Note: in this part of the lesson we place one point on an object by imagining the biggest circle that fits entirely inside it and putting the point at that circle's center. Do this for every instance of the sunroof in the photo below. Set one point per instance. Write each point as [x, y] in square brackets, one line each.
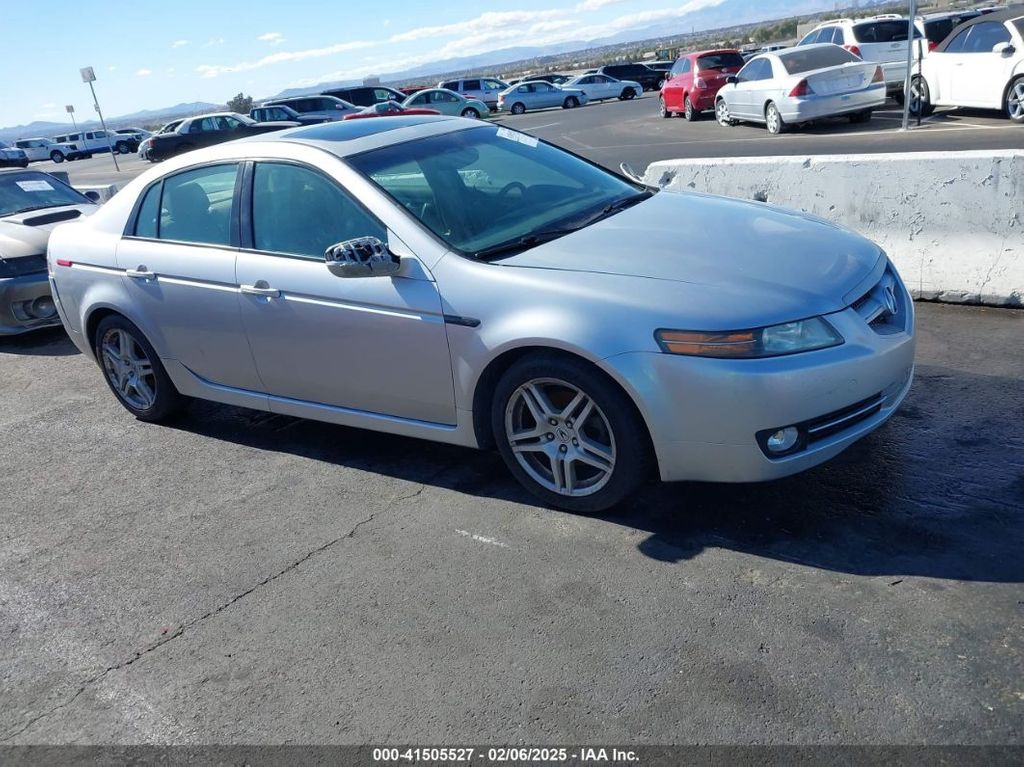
[346, 130]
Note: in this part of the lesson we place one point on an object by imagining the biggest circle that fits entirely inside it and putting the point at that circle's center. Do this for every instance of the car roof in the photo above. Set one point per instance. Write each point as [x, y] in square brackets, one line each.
[345, 138]
[1010, 14]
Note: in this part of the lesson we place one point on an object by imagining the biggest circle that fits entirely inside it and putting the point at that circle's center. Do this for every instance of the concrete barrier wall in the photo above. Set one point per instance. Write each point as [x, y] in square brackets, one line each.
[952, 222]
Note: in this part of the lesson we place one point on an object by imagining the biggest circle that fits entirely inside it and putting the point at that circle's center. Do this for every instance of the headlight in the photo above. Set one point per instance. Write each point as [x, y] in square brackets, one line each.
[774, 341]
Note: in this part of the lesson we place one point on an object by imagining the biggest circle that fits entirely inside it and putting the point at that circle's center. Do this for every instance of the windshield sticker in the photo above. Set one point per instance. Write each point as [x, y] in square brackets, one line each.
[37, 185]
[516, 136]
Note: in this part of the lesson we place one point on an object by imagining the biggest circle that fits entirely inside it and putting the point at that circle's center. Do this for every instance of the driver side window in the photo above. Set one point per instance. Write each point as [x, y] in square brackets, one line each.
[297, 211]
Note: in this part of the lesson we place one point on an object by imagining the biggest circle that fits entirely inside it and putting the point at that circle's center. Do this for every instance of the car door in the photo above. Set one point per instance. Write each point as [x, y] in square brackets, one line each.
[602, 86]
[545, 95]
[742, 97]
[179, 260]
[491, 89]
[679, 82]
[446, 103]
[373, 344]
[979, 74]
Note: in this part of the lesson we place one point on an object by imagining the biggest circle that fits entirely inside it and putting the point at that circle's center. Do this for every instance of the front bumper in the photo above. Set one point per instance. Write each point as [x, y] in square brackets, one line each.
[704, 415]
[15, 292]
[798, 110]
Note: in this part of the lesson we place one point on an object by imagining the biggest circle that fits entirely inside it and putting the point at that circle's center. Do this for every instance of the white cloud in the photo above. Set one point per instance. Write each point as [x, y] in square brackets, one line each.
[594, 5]
[213, 41]
[274, 38]
[179, 43]
[170, 70]
[489, 22]
[48, 106]
[111, 69]
[144, 73]
[213, 70]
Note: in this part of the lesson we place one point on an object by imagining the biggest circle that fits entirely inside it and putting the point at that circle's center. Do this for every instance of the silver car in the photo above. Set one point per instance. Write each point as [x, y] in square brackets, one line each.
[538, 94]
[466, 283]
[801, 84]
[31, 205]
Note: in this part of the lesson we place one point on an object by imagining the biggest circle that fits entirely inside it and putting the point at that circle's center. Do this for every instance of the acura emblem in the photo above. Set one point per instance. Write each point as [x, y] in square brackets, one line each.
[890, 298]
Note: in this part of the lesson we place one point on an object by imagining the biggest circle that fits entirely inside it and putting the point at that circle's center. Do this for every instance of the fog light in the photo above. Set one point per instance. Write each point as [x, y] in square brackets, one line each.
[783, 440]
[43, 308]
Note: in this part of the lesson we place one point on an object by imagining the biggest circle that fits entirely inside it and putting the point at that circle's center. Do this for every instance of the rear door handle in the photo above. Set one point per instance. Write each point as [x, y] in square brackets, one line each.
[140, 273]
[261, 288]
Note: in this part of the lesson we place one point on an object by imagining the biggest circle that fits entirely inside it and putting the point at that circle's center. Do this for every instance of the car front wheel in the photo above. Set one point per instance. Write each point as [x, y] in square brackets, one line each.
[133, 370]
[568, 434]
[570, 103]
[722, 114]
[662, 108]
[57, 157]
[1015, 100]
[470, 113]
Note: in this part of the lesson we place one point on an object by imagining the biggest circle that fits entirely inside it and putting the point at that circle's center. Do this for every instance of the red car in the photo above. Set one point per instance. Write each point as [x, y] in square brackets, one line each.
[389, 109]
[695, 79]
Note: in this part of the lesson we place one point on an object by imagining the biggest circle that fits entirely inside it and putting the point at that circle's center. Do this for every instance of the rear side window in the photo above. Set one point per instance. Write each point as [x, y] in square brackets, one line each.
[470, 85]
[758, 69]
[893, 31]
[148, 219]
[452, 85]
[809, 59]
[986, 35]
[720, 61]
[297, 211]
[956, 45]
[196, 205]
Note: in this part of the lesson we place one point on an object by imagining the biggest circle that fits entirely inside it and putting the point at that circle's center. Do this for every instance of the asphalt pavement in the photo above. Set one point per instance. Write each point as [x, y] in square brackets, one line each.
[612, 132]
[238, 577]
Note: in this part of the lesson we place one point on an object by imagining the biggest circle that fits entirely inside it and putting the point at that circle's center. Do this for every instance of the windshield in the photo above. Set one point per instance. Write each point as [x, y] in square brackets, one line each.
[720, 61]
[809, 59]
[32, 190]
[485, 190]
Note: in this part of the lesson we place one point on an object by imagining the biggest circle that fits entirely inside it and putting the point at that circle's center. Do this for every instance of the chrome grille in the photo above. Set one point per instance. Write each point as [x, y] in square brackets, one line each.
[884, 307]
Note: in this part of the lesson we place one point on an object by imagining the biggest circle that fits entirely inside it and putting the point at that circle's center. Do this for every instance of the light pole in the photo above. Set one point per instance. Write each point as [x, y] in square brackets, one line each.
[89, 76]
[908, 81]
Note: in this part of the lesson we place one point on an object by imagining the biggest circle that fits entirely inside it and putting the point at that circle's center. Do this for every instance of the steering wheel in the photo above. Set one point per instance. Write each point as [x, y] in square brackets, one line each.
[513, 185]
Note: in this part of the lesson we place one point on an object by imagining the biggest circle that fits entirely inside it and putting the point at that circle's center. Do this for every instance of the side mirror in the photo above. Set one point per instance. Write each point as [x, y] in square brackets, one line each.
[732, 80]
[93, 195]
[1004, 49]
[361, 257]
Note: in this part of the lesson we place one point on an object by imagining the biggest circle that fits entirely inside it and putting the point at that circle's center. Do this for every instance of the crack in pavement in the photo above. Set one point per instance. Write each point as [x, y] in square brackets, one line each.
[196, 621]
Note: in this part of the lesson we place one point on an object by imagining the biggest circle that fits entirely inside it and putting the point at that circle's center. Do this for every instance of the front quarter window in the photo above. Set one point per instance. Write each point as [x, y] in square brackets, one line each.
[487, 189]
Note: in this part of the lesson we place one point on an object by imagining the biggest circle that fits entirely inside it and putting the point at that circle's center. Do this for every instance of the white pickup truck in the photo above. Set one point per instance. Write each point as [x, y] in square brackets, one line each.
[45, 149]
[94, 141]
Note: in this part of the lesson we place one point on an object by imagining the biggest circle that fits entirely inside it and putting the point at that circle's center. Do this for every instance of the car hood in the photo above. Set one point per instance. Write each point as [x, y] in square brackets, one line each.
[750, 261]
[26, 234]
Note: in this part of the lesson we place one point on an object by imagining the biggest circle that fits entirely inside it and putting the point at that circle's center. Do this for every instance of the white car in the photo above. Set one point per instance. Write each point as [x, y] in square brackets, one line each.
[599, 87]
[981, 65]
[879, 39]
[43, 149]
[801, 84]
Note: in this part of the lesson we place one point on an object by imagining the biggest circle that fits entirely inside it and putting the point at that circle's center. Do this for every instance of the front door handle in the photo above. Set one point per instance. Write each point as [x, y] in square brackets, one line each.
[261, 288]
[140, 272]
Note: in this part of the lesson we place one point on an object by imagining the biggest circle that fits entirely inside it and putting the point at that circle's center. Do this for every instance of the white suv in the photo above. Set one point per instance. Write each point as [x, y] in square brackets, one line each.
[879, 39]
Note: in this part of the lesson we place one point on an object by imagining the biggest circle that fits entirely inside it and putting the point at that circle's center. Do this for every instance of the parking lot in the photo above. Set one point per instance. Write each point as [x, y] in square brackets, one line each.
[238, 577]
[631, 131]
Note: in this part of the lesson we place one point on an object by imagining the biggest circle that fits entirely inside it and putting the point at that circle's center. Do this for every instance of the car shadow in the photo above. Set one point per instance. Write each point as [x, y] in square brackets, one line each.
[938, 492]
[46, 342]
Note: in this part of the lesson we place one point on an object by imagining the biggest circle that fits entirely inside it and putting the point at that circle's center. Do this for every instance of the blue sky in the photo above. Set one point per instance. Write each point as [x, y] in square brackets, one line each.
[153, 55]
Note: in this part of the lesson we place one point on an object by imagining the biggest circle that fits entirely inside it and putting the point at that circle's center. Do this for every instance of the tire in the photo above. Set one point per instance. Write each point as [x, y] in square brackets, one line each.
[722, 114]
[121, 147]
[471, 113]
[921, 98]
[57, 157]
[627, 94]
[691, 114]
[663, 110]
[133, 370]
[570, 103]
[773, 119]
[518, 108]
[607, 456]
[862, 117]
[1014, 101]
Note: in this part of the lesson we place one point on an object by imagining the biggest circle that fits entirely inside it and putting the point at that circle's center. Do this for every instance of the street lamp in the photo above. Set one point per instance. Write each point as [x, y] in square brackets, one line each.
[89, 76]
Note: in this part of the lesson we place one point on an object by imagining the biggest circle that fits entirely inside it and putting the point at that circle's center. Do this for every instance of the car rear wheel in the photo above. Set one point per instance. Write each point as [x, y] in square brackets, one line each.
[570, 103]
[133, 370]
[722, 114]
[1015, 100]
[57, 157]
[773, 119]
[691, 114]
[518, 108]
[568, 434]
[470, 113]
[920, 98]
[663, 108]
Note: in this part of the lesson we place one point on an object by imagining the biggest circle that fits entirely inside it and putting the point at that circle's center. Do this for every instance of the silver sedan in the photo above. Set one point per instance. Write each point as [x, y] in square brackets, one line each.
[538, 94]
[467, 283]
[799, 85]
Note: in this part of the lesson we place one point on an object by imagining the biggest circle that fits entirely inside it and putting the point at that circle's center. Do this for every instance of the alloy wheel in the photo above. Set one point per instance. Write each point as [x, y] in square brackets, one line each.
[1015, 101]
[128, 369]
[560, 437]
[722, 112]
[773, 119]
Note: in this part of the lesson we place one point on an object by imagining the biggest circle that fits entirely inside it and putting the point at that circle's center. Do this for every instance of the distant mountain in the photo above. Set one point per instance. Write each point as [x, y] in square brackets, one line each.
[135, 119]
